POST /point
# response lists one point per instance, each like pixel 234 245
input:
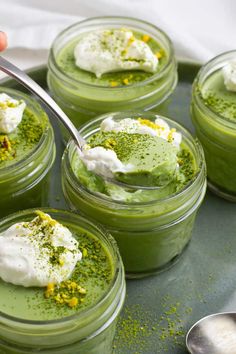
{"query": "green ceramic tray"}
pixel 159 310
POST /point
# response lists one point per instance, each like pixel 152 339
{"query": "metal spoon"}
pixel 32 86
pixel 213 334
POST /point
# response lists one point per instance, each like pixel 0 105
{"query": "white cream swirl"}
pixel 38 252
pixel 11 113
pixel 106 51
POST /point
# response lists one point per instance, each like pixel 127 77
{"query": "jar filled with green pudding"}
pixel 27 152
pixel 142 176
pixel 111 64
pixel 213 111
pixel 62 284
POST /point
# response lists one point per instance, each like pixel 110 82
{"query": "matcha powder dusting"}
pixel 142 332
pixel 15 145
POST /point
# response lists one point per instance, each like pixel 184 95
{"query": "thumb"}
pixel 3 41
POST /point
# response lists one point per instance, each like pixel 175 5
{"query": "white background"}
pixel 200 29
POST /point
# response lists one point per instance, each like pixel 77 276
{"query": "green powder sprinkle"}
pixel 22 139
pixel 141 331
pixel 220 105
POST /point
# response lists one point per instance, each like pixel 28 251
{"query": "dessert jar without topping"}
pixel 216 133
pixel 25 183
pixel 91 331
pixel 82 101
pixel 150 234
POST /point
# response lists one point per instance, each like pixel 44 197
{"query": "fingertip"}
pixel 3 41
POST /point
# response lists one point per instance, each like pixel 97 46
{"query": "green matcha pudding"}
pixel 61 282
pixel 110 64
pixel 142 176
pixel 213 111
pixel 27 152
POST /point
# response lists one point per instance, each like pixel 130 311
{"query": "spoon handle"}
pixel 30 84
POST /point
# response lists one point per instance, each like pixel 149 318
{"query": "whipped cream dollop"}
pixel 37 252
pixel 229 74
pixel 105 51
pixel 105 162
pixel 158 128
pixel 11 113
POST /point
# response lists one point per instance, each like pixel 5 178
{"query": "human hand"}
pixel 3 41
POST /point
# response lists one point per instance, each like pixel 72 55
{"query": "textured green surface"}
pixel 160 309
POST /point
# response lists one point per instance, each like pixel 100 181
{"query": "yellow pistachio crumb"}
pixel 131 40
pixel 146 38
pixel 73 302
pixel 61 262
pixel 148 123
pixel 109 143
pixel 84 252
pixel 82 291
pixel 170 135
pixel 158 55
pixel 73 285
pixel 126 81
pixel 68 293
pixel 50 290
pixel 45 217
pixel 5 143
pixel 57 297
pixel 3 105
pixel 114 83
pixel 50 286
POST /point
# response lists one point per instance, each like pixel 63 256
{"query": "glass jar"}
pixel 152 234
pixel 216 133
pixel 25 183
pixel 82 101
pixel 90 331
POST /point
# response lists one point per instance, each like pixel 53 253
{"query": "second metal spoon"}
pixel 213 334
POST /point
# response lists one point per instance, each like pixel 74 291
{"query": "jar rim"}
pixel 149 80
pixel 99 196
pixel 31 154
pixel 205 71
pixel 87 311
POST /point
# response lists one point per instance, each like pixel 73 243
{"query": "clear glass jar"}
pixel 151 235
pixel 82 101
pixel 216 133
pixel 92 330
pixel 25 183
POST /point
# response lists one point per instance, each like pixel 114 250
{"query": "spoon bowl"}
pixel 213 334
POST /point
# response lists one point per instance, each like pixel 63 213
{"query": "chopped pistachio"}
pixel 146 38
